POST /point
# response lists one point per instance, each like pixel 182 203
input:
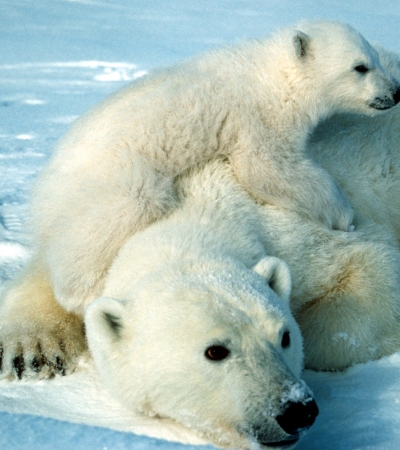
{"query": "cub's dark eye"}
pixel 361 68
pixel 285 343
pixel 216 353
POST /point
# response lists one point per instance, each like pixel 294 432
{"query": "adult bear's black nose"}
pixel 297 416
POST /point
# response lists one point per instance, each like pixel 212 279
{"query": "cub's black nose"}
pixel 298 416
pixel 396 96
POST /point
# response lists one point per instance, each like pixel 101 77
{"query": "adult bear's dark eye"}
pixel 285 343
pixel 216 353
pixel 361 68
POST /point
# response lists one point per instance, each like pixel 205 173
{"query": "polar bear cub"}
pixel 194 323
pixel 256 104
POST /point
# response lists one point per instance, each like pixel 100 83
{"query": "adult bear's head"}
pixel 214 348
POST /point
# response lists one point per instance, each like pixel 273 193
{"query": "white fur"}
pixel 184 284
pixel 363 154
pixel 256 104
pixel 186 280
pixel 208 256
pixel 359 318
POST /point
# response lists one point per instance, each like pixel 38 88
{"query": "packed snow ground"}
pixel 59 57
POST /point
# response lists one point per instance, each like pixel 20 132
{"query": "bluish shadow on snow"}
pixel 24 432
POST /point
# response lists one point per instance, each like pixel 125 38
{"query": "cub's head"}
pixel 215 350
pixel 341 70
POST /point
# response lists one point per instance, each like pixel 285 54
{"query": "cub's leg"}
pixel 38 338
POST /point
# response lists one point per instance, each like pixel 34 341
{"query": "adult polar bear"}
pixel 114 171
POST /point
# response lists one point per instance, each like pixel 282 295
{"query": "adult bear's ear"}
pixel 276 274
pixel 301 44
pixel 104 323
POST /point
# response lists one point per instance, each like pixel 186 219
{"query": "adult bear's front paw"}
pixel 33 351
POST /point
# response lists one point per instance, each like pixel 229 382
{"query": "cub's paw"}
pixel 334 209
pixel 341 219
pixel 33 351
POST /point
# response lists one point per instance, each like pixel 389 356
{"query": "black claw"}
pixel 60 366
pixel 1 359
pixel 35 364
pixel 19 366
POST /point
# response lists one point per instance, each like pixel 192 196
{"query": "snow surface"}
pixel 59 57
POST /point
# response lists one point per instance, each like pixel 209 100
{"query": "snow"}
pixel 298 392
pixel 59 57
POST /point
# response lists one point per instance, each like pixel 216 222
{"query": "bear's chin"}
pixel 286 444
pixel 383 104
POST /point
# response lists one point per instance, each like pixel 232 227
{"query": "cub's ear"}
pixel 276 274
pixel 104 322
pixel 301 44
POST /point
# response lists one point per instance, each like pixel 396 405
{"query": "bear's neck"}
pixel 289 100
pixel 292 122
